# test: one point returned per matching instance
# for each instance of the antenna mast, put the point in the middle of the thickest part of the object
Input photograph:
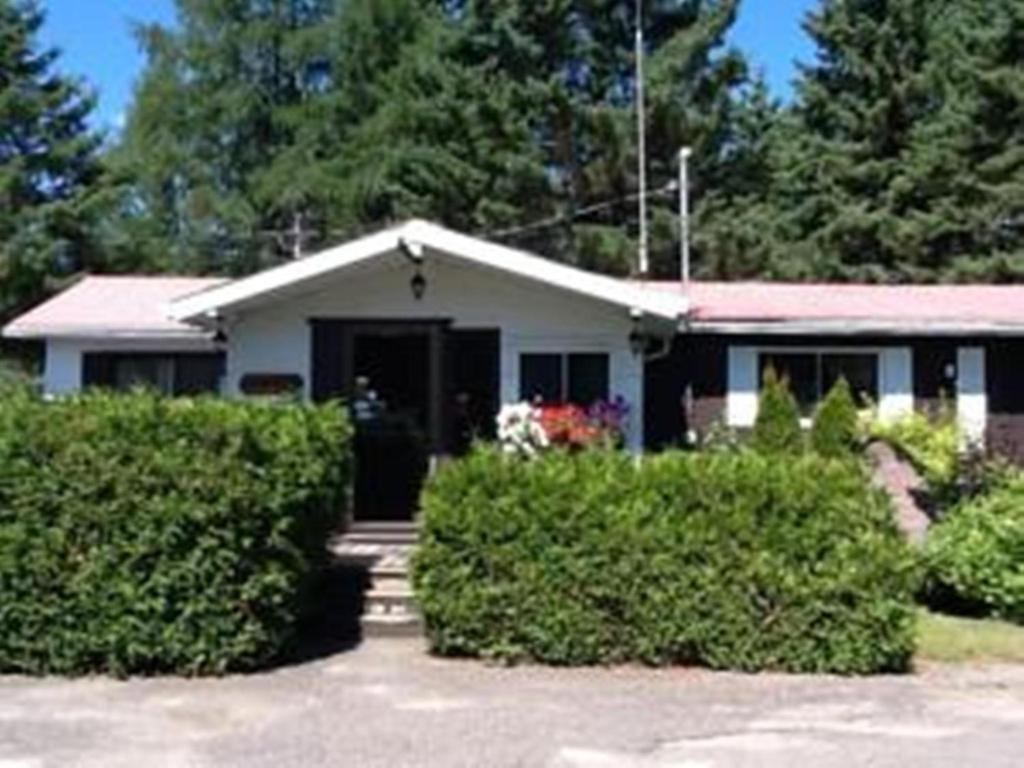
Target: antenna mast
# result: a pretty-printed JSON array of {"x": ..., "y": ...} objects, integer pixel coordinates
[
  {"x": 643, "y": 265},
  {"x": 684, "y": 215}
]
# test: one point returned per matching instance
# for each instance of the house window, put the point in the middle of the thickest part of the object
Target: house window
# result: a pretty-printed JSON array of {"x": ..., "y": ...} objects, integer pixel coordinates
[
  {"x": 812, "y": 374},
  {"x": 170, "y": 374},
  {"x": 579, "y": 378}
]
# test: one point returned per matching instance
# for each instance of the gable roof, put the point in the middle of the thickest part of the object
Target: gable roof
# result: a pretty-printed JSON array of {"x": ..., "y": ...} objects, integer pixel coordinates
[
  {"x": 416, "y": 233},
  {"x": 111, "y": 307},
  {"x": 854, "y": 308}
]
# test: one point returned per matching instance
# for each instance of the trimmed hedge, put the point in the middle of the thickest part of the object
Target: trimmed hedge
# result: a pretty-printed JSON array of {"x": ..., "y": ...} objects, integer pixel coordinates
[
  {"x": 734, "y": 561},
  {"x": 975, "y": 555},
  {"x": 142, "y": 535}
]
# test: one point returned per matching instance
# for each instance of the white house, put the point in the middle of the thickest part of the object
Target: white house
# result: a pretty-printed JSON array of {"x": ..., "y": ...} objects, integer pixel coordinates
[{"x": 446, "y": 327}]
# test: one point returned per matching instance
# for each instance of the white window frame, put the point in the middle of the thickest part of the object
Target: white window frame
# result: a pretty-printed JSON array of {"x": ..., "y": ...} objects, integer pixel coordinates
[{"x": 894, "y": 372}]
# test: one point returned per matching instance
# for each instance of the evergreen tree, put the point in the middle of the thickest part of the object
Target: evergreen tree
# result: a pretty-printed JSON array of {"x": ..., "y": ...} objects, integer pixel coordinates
[
  {"x": 227, "y": 92},
  {"x": 901, "y": 159},
  {"x": 777, "y": 426},
  {"x": 256, "y": 115},
  {"x": 834, "y": 432},
  {"x": 48, "y": 164}
]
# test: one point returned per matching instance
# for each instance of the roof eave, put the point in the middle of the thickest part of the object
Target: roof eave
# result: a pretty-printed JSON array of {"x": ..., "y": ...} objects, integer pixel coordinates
[
  {"x": 851, "y": 328},
  {"x": 87, "y": 332}
]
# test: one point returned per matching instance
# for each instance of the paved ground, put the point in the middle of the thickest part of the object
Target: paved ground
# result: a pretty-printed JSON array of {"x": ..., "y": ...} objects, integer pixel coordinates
[{"x": 387, "y": 704}]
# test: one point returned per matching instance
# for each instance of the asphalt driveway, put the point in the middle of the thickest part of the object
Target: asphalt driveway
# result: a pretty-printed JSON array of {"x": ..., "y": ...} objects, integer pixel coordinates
[{"x": 388, "y": 704}]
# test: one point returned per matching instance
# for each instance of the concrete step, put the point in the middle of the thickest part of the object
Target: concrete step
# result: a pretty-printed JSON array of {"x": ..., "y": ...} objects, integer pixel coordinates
[
  {"x": 392, "y": 583},
  {"x": 383, "y": 601},
  {"x": 392, "y": 625},
  {"x": 381, "y": 539}
]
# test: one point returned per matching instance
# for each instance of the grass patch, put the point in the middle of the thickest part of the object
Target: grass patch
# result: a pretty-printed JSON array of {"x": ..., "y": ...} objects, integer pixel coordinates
[{"x": 958, "y": 640}]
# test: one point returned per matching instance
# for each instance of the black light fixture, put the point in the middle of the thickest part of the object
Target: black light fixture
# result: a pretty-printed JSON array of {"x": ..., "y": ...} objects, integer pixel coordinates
[
  {"x": 414, "y": 253},
  {"x": 418, "y": 284},
  {"x": 637, "y": 338}
]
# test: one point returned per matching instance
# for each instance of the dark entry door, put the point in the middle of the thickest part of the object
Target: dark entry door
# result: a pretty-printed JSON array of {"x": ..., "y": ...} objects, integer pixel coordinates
[
  {"x": 392, "y": 404},
  {"x": 416, "y": 389}
]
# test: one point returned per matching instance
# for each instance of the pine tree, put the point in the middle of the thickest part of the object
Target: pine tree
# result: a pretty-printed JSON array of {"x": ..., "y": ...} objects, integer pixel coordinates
[
  {"x": 256, "y": 115},
  {"x": 48, "y": 164},
  {"x": 901, "y": 159},
  {"x": 777, "y": 427},
  {"x": 223, "y": 98},
  {"x": 834, "y": 432}
]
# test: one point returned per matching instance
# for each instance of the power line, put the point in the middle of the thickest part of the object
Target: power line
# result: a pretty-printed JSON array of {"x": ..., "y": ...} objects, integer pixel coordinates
[{"x": 565, "y": 218}]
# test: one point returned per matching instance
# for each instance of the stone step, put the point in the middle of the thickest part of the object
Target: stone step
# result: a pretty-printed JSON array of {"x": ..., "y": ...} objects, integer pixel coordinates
[
  {"x": 391, "y": 583},
  {"x": 392, "y": 625},
  {"x": 390, "y": 601},
  {"x": 379, "y": 538}
]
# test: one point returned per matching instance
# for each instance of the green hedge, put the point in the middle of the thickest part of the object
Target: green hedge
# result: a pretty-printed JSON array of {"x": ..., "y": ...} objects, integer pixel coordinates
[
  {"x": 734, "y": 561},
  {"x": 140, "y": 534},
  {"x": 975, "y": 555}
]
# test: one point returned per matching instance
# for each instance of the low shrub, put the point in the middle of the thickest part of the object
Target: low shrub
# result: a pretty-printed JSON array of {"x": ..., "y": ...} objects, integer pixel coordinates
[
  {"x": 734, "y": 561},
  {"x": 777, "y": 426},
  {"x": 975, "y": 556},
  {"x": 931, "y": 444},
  {"x": 835, "y": 430},
  {"x": 141, "y": 535}
]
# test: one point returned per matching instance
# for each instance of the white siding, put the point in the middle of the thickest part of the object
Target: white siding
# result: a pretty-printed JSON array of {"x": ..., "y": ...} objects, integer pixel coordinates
[
  {"x": 741, "y": 402},
  {"x": 62, "y": 368},
  {"x": 531, "y": 318},
  {"x": 896, "y": 383},
  {"x": 62, "y": 364},
  {"x": 971, "y": 400}
]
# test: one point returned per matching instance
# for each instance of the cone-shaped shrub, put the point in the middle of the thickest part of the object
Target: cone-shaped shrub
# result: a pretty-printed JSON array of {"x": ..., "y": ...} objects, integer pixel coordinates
[
  {"x": 834, "y": 433},
  {"x": 777, "y": 428}
]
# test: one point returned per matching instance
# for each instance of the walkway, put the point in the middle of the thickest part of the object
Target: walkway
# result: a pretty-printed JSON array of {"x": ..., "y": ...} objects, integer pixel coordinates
[{"x": 388, "y": 704}]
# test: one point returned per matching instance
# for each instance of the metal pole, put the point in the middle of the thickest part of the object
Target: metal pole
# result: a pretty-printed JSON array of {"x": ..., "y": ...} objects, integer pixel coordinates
[
  {"x": 643, "y": 266},
  {"x": 684, "y": 215}
]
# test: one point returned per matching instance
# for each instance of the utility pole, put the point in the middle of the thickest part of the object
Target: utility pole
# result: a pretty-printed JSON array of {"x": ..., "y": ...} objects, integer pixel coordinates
[
  {"x": 643, "y": 265},
  {"x": 684, "y": 216}
]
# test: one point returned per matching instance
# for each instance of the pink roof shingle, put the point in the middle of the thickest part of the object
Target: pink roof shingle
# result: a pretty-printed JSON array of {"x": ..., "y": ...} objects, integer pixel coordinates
[
  {"x": 133, "y": 306},
  {"x": 111, "y": 306},
  {"x": 885, "y": 304}
]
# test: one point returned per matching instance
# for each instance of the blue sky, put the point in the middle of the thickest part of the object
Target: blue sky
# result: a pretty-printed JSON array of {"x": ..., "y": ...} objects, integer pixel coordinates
[{"x": 97, "y": 41}]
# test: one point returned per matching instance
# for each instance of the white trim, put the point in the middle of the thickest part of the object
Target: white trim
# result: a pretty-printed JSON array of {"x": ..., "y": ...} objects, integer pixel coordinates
[
  {"x": 895, "y": 383},
  {"x": 208, "y": 304},
  {"x": 971, "y": 395},
  {"x": 85, "y": 333},
  {"x": 742, "y": 386},
  {"x": 851, "y": 328},
  {"x": 894, "y": 371}
]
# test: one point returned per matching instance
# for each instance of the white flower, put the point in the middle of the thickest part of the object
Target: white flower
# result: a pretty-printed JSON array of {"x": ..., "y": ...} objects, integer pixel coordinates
[{"x": 520, "y": 431}]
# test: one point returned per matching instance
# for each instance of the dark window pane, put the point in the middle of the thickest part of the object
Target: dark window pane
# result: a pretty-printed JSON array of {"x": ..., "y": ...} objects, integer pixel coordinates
[
  {"x": 198, "y": 374},
  {"x": 540, "y": 378},
  {"x": 801, "y": 371},
  {"x": 860, "y": 372},
  {"x": 150, "y": 371},
  {"x": 588, "y": 379}
]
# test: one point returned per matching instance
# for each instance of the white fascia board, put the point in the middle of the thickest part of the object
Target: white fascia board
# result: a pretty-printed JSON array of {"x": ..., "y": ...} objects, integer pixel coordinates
[
  {"x": 632, "y": 296},
  {"x": 86, "y": 333},
  {"x": 852, "y": 328},
  {"x": 210, "y": 303},
  {"x": 421, "y": 233}
]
